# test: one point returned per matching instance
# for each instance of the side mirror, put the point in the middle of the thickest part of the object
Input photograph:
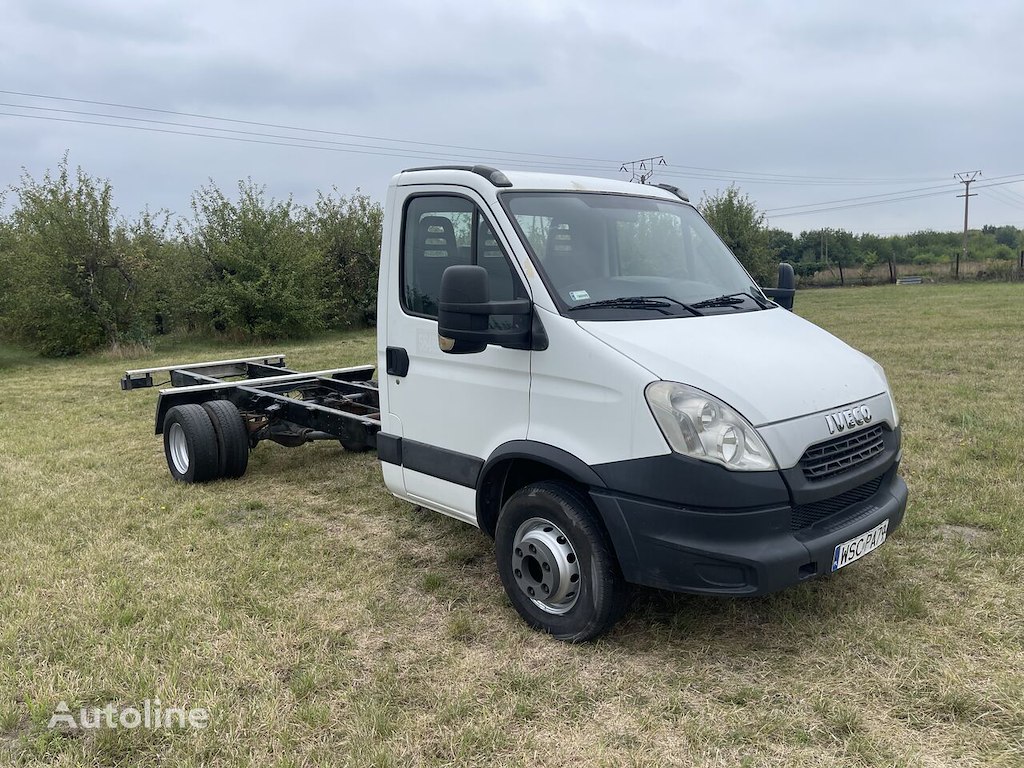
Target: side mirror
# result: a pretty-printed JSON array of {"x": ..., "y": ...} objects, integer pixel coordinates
[
  {"x": 465, "y": 310},
  {"x": 783, "y": 295}
]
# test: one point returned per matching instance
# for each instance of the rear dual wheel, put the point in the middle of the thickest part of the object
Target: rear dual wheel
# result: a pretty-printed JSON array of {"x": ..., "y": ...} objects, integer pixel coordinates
[
  {"x": 232, "y": 437},
  {"x": 205, "y": 442}
]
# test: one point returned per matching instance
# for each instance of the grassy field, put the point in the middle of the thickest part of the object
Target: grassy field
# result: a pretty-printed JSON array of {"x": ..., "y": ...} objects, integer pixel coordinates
[{"x": 321, "y": 622}]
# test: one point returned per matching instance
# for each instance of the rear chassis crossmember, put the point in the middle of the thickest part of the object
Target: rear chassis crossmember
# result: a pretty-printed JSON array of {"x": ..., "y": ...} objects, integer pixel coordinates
[{"x": 277, "y": 403}]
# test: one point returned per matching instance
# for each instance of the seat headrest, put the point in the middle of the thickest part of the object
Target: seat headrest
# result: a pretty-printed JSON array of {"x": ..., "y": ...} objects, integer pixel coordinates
[{"x": 436, "y": 233}]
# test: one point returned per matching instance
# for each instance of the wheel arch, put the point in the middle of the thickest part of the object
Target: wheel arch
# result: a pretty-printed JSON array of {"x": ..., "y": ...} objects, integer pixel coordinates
[{"x": 518, "y": 463}]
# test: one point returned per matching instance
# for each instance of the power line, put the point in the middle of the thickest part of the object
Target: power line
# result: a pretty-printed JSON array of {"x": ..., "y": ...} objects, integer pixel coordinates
[
  {"x": 854, "y": 199},
  {"x": 699, "y": 172},
  {"x": 860, "y": 205},
  {"x": 1000, "y": 196},
  {"x": 285, "y": 140},
  {"x": 421, "y": 150},
  {"x": 398, "y": 152},
  {"x": 752, "y": 180},
  {"x": 1011, "y": 193},
  {"x": 1013, "y": 178},
  {"x": 298, "y": 128},
  {"x": 1003, "y": 183},
  {"x": 329, "y": 142},
  {"x": 262, "y": 134},
  {"x": 787, "y": 177}
]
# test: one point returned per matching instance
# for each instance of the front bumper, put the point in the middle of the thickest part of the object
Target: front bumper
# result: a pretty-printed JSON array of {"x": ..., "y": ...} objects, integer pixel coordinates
[{"x": 741, "y": 551}]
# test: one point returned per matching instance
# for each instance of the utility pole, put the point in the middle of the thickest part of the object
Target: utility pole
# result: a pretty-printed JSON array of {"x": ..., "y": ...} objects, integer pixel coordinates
[
  {"x": 642, "y": 170},
  {"x": 965, "y": 178}
]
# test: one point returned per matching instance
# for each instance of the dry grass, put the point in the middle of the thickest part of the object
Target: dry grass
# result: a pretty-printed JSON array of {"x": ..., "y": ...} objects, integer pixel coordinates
[{"x": 323, "y": 623}]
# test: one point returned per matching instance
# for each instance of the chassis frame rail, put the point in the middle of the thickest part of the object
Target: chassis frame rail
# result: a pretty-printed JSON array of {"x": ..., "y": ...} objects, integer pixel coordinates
[{"x": 277, "y": 403}]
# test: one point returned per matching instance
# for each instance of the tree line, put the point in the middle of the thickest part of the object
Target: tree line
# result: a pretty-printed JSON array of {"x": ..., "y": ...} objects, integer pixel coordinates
[
  {"x": 744, "y": 228},
  {"x": 75, "y": 276}
]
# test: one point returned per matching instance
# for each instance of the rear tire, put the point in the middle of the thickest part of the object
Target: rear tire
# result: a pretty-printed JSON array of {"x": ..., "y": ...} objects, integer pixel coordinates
[
  {"x": 190, "y": 444},
  {"x": 232, "y": 437},
  {"x": 556, "y": 563}
]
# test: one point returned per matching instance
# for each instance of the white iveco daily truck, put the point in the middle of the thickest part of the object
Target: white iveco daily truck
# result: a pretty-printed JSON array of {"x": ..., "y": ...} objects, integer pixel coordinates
[{"x": 583, "y": 370}]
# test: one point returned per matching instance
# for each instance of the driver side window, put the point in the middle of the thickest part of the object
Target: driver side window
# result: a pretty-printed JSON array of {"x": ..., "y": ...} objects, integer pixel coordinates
[{"x": 444, "y": 230}]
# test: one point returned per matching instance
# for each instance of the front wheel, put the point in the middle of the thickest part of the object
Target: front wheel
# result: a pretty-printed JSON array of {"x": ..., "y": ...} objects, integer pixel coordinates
[{"x": 556, "y": 563}]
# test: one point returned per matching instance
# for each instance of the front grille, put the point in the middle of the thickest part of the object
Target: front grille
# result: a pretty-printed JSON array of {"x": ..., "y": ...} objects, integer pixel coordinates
[
  {"x": 807, "y": 515},
  {"x": 842, "y": 454}
]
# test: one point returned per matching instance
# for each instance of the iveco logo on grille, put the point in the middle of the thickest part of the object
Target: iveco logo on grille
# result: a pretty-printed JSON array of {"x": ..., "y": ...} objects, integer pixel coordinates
[{"x": 847, "y": 419}]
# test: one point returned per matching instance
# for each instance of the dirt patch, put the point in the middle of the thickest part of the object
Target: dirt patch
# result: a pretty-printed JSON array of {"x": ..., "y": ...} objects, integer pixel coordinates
[{"x": 966, "y": 533}]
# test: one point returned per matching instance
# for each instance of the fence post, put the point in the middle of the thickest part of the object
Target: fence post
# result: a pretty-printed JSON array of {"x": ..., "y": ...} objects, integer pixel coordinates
[{"x": 842, "y": 280}]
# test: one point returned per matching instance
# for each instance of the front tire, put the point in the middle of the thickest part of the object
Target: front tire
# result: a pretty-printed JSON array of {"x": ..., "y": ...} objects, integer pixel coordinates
[
  {"x": 190, "y": 444},
  {"x": 556, "y": 563}
]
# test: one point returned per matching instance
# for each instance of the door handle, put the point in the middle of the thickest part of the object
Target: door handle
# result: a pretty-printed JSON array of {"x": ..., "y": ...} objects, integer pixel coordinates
[{"x": 397, "y": 361}]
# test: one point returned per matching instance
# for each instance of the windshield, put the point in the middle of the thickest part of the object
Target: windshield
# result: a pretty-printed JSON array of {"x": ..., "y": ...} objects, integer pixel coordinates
[{"x": 619, "y": 257}]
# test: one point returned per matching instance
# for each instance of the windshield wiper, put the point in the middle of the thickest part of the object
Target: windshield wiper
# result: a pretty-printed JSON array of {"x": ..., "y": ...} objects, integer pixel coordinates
[
  {"x": 657, "y": 303},
  {"x": 731, "y": 300},
  {"x": 761, "y": 302}
]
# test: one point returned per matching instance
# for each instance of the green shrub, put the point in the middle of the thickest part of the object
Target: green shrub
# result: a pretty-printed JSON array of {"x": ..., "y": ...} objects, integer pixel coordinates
[
  {"x": 345, "y": 232},
  {"x": 258, "y": 274},
  {"x": 77, "y": 273},
  {"x": 737, "y": 220}
]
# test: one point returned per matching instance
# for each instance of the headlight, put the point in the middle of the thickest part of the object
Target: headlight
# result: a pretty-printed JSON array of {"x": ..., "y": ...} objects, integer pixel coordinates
[
  {"x": 895, "y": 413},
  {"x": 696, "y": 424},
  {"x": 888, "y": 392}
]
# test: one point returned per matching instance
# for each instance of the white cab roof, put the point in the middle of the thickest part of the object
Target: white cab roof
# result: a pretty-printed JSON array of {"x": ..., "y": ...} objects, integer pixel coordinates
[{"x": 527, "y": 180}]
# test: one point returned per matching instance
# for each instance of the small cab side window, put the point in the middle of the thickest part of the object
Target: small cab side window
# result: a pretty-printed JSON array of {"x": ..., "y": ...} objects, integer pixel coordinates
[{"x": 441, "y": 231}]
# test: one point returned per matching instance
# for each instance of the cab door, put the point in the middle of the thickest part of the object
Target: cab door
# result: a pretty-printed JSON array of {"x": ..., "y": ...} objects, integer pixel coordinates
[{"x": 453, "y": 410}]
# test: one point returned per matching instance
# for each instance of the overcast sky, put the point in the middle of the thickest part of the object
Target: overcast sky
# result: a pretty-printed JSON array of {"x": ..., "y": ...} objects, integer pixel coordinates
[{"x": 799, "y": 103}]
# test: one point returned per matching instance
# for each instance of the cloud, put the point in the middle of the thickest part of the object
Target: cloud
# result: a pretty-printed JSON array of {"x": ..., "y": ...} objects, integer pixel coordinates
[{"x": 876, "y": 90}]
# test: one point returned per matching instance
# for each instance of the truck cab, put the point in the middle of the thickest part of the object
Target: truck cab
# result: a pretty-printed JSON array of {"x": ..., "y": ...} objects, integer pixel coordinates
[{"x": 581, "y": 368}]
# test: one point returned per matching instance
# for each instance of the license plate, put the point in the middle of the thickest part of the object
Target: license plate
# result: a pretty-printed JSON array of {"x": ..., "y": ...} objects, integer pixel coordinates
[{"x": 857, "y": 547}]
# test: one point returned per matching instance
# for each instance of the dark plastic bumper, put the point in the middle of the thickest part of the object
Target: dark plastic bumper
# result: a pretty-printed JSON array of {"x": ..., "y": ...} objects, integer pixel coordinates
[{"x": 751, "y": 552}]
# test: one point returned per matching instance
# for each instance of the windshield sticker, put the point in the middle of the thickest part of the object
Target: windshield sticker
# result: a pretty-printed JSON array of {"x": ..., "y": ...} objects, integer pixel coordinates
[{"x": 579, "y": 295}]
